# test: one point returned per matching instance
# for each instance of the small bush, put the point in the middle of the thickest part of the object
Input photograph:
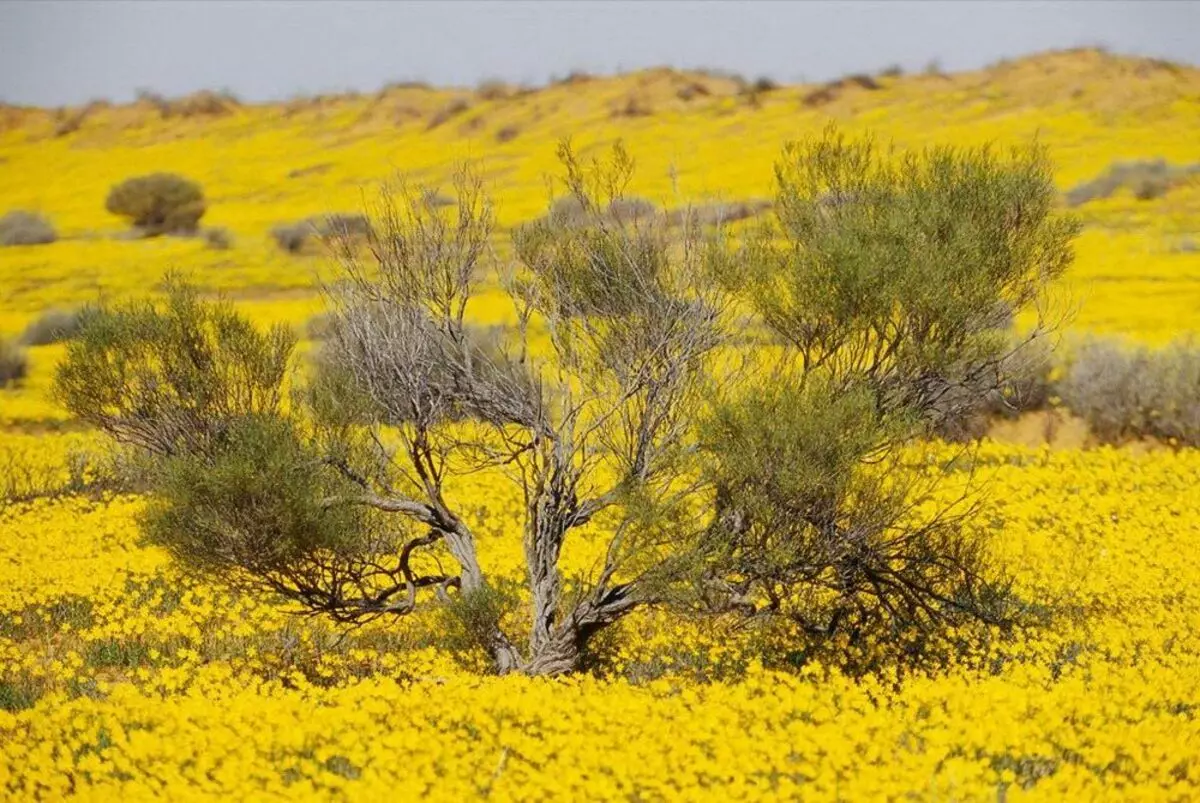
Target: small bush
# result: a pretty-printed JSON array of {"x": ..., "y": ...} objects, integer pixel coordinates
[
  {"x": 493, "y": 89},
  {"x": 159, "y": 203},
  {"x": 25, "y": 228},
  {"x": 833, "y": 90},
  {"x": 634, "y": 106},
  {"x": 218, "y": 239},
  {"x": 764, "y": 84},
  {"x": 447, "y": 112},
  {"x": 692, "y": 90},
  {"x": 507, "y": 134},
  {"x": 53, "y": 327},
  {"x": 1125, "y": 393},
  {"x": 14, "y": 365},
  {"x": 1146, "y": 179},
  {"x": 293, "y": 237}
]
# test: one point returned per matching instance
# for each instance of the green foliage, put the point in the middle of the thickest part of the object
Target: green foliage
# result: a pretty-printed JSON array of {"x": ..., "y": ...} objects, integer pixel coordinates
[
  {"x": 168, "y": 379},
  {"x": 14, "y": 364},
  {"x": 25, "y": 228},
  {"x": 158, "y": 203},
  {"x": 253, "y": 500},
  {"x": 597, "y": 252},
  {"x": 888, "y": 281}
]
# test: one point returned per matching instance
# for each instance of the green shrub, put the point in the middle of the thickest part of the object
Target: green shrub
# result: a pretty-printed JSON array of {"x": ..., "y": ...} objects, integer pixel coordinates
[
  {"x": 1126, "y": 392},
  {"x": 53, "y": 326},
  {"x": 25, "y": 228},
  {"x": 14, "y": 365},
  {"x": 159, "y": 203}
]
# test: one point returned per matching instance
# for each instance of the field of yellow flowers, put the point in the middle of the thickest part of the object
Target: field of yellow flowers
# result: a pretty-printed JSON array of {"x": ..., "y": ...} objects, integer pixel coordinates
[{"x": 121, "y": 678}]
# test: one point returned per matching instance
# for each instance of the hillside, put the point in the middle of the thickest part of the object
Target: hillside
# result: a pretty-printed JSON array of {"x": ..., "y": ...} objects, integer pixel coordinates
[{"x": 697, "y": 137}]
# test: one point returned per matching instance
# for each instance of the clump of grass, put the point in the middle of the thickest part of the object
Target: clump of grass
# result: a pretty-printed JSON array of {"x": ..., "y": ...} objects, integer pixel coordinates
[
  {"x": 26, "y": 228},
  {"x": 1146, "y": 179},
  {"x": 54, "y": 326}
]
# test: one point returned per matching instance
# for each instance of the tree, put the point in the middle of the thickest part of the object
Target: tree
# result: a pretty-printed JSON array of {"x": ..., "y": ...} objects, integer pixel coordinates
[{"x": 610, "y": 401}]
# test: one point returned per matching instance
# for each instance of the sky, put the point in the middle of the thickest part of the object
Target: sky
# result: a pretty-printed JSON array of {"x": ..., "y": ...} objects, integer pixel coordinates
[{"x": 55, "y": 52}]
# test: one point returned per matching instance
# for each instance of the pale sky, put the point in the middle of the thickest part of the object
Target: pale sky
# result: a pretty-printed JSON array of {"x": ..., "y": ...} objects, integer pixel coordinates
[{"x": 58, "y": 52}]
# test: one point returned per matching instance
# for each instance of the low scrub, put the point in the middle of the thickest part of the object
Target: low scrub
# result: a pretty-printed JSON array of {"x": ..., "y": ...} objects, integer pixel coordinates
[
  {"x": 218, "y": 239},
  {"x": 14, "y": 365},
  {"x": 158, "y": 203},
  {"x": 1126, "y": 392},
  {"x": 53, "y": 326},
  {"x": 1145, "y": 179},
  {"x": 25, "y": 228},
  {"x": 294, "y": 237}
]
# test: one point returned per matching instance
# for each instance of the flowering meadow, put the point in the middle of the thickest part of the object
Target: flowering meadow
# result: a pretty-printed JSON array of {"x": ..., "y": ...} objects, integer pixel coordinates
[{"x": 122, "y": 677}]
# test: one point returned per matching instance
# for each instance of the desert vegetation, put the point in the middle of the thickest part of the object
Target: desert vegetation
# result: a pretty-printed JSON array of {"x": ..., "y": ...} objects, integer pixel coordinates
[
  {"x": 786, "y": 462},
  {"x": 159, "y": 203}
]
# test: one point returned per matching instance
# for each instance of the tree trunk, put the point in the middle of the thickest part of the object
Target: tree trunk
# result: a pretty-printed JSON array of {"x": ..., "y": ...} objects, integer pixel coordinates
[{"x": 558, "y": 655}]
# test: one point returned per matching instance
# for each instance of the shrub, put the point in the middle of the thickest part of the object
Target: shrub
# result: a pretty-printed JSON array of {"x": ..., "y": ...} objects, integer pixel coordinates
[
  {"x": 14, "y": 364},
  {"x": 158, "y": 203},
  {"x": 25, "y": 228},
  {"x": 451, "y": 110},
  {"x": 493, "y": 89},
  {"x": 293, "y": 237},
  {"x": 52, "y": 327},
  {"x": 218, "y": 239},
  {"x": 508, "y": 133},
  {"x": 1145, "y": 179},
  {"x": 1124, "y": 392}
]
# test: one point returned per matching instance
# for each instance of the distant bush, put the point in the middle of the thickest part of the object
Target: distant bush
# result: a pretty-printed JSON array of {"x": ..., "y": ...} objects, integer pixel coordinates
[
  {"x": 218, "y": 239},
  {"x": 14, "y": 365},
  {"x": 493, "y": 89},
  {"x": 829, "y": 92},
  {"x": 292, "y": 237},
  {"x": 1145, "y": 179},
  {"x": 25, "y": 228},
  {"x": 53, "y": 326},
  {"x": 205, "y": 103},
  {"x": 633, "y": 106},
  {"x": 447, "y": 112},
  {"x": 1125, "y": 392},
  {"x": 507, "y": 134},
  {"x": 158, "y": 203}
]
